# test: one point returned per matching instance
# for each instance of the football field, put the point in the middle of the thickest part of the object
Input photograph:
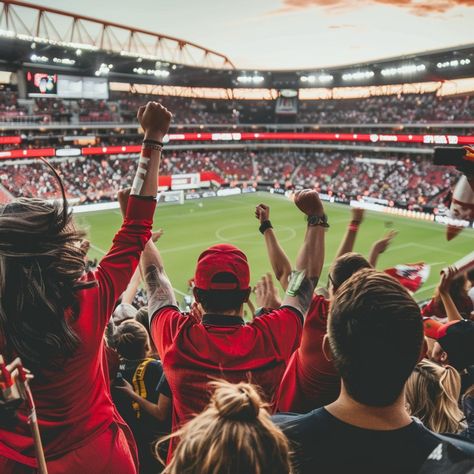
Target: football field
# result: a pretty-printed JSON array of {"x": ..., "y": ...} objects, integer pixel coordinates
[{"x": 192, "y": 227}]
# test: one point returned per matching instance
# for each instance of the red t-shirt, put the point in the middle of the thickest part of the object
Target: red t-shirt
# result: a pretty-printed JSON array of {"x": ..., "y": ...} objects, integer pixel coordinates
[
  {"x": 434, "y": 308},
  {"x": 310, "y": 380},
  {"x": 74, "y": 404},
  {"x": 195, "y": 352}
]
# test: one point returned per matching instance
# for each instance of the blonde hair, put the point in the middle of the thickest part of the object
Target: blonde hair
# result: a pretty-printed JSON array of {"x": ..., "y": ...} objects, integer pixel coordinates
[
  {"x": 432, "y": 393},
  {"x": 233, "y": 435}
]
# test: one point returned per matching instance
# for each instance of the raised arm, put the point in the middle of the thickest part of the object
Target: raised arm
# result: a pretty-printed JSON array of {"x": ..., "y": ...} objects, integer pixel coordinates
[
  {"x": 443, "y": 288},
  {"x": 310, "y": 259},
  {"x": 348, "y": 241},
  {"x": 116, "y": 268},
  {"x": 380, "y": 246},
  {"x": 280, "y": 263}
]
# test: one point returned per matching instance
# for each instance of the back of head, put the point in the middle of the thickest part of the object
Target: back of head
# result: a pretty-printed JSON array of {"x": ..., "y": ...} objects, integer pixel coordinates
[
  {"x": 41, "y": 261},
  {"x": 222, "y": 279},
  {"x": 432, "y": 393},
  {"x": 376, "y": 334},
  {"x": 233, "y": 435},
  {"x": 345, "y": 266},
  {"x": 131, "y": 340},
  {"x": 470, "y": 276}
]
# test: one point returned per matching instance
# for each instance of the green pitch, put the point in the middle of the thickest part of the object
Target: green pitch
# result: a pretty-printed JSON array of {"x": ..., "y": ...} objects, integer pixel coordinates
[{"x": 194, "y": 226}]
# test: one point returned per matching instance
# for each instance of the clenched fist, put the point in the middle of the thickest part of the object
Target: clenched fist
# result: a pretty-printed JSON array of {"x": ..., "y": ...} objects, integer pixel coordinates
[
  {"x": 262, "y": 213},
  {"x": 308, "y": 201},
  {"x": 155, "y": 120}
]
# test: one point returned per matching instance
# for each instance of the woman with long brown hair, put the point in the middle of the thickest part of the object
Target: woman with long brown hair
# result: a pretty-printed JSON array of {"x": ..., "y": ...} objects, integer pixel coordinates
[
  {"x": 53, "y": 315},
  {"x": 432, "y": 393},
  {"x": 234, "y": 435}
]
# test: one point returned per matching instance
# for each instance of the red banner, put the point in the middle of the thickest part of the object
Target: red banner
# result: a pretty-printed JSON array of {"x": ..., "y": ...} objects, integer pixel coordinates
[
  {"x": 10, "y": 140},
  {"x": 256, "y": 136}
]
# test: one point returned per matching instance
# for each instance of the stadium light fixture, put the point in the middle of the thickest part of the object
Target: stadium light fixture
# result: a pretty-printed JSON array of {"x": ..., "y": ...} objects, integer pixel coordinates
[
  {"x": 402, "y": 70},
  {"x": 357, "y": 75},
  {"x": 151, "y": 72},
  {"x": 454, "y": 63},
  {"x": 39, "y": 59},
  {"x": 104, "y": 69},
  {"x": 65, "y": 61},
  {"x": 322, "y": 78},
  {"x": 256, "y": 79}
]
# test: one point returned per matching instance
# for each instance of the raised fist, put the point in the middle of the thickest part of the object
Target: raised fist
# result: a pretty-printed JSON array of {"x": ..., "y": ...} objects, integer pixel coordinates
[
  {"x": 155, "y": 120},
  {"x": 308, "y": 202},
  {"x": 357, "y": 214},
  {"x": 262, "y": 213}
]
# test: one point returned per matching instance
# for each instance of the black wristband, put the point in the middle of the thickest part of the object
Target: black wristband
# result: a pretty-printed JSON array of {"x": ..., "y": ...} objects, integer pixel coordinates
[
  {"x": 264, "y": 226},
  {"x": 149, "y": 141}
]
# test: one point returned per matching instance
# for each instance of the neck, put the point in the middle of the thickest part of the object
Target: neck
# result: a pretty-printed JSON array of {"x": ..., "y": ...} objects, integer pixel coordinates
[
  {"x": 238, "y": 313},
  {"x": 348, "y": 410}
]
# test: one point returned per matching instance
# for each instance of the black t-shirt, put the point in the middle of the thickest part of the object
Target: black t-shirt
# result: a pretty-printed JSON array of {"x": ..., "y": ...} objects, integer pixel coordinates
[
  {"x": 322, "y": 444},
  {"x": 145, "y": 428}
]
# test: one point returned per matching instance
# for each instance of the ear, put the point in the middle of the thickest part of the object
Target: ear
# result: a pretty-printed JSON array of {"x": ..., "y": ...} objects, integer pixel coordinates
[
  {"x": 424, "y": 350},
  {"x": 247, "y": 295},
  {"x": 327, "y": 349}
]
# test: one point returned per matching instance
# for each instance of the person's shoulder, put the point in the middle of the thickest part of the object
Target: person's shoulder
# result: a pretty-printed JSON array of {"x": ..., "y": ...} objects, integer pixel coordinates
[{"x": 293, "y": 422}]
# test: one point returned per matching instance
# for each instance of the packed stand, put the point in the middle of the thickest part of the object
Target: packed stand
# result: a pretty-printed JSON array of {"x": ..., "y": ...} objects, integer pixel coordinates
[
  {"x": 404, "y": 181},
  {"x": 348, "y": 377}
]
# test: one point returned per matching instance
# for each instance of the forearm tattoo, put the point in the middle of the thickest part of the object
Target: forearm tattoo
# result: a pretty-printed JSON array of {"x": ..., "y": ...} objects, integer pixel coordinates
[
  {"x": 160, "y": 291},
  {"x": 300, "y": 291}
]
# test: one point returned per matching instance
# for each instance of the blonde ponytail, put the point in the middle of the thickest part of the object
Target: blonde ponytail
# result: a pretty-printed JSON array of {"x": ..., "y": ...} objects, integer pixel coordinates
[
  {"x": 432, "y": 393},
  {"x": 233, "y": 435}
]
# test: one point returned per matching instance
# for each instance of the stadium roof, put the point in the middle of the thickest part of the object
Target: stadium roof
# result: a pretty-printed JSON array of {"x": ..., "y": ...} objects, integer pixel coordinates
[{"x": 33, "y": 37}]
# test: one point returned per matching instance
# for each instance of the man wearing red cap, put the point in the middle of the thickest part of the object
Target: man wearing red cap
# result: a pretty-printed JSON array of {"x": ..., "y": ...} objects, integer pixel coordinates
[{"x": 221, "y": 345}]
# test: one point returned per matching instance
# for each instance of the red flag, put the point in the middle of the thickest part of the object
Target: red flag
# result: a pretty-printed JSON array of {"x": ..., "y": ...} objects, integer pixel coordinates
[{"x": 411, "y": 275}]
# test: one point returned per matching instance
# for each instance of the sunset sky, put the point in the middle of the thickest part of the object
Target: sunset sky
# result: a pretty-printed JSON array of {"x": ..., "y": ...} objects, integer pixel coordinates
[{"x": 284, "y": 34}]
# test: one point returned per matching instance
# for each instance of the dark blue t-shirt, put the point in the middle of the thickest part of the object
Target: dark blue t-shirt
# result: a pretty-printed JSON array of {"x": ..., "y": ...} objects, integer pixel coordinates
[{"x": 324, "y": 444}]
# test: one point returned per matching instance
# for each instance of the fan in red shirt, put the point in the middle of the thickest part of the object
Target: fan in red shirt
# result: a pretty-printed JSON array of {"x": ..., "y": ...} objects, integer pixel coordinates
[
  {"x": 310, "y": 380},
  {"x": 53, "y": 316},
  {"x": 222, "y": 345}
]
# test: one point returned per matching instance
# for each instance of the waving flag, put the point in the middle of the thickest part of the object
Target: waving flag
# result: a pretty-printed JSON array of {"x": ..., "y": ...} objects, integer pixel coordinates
[{"x": 411, "y": 275}]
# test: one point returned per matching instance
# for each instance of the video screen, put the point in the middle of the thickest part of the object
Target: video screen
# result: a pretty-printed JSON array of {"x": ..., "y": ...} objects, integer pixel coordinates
[{"x": 41, "y": 84}]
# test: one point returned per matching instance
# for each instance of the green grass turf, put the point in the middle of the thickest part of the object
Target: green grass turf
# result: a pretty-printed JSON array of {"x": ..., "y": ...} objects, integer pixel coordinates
[{"x": 194, "y": 226}]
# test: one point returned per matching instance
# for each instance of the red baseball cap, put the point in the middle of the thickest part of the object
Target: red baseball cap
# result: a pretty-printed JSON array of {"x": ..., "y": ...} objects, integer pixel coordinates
[{"x": 222, "y": 258}]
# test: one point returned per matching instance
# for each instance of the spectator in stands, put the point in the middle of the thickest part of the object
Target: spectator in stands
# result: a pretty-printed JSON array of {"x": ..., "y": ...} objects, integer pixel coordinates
[
  {"x": 375, "y": 339},
  {"x": 234, "y": 435},
  {"x": 470, "y": 277},
  {"x": 61, "y": 341},
  {"x": 433, "y": 393},
  {"x": 221, "y": 345},
  {"x": 458, "y": 290},
  {"x": 310, "y": 380},
  {"x": 141, "y": 393}
]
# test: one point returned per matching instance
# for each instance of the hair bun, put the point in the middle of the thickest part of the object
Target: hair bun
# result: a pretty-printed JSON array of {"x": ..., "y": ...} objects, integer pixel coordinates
[{"x": 240, "y": 402}]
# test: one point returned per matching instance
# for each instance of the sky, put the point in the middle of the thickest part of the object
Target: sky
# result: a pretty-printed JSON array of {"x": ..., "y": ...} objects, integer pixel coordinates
[{"x": 295, "y": 34}]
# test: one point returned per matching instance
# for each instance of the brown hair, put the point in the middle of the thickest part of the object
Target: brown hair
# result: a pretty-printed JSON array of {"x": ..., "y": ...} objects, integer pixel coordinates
[
  {"x": 432, "y": 393},
  {"x": 41, "y": 262},
  {"x": 376, "y": 334},
  {"x": 233, "y": 435},
  {"x": 345, "y": 266},
  {"x": 131, "y": 340}
]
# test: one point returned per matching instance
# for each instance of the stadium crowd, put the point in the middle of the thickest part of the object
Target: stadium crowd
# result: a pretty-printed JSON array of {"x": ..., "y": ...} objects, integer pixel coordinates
[
  {"x": 121, "y": 106},
  {"x": 406, "y": 181},
  {"x": 351, "y": 377}
]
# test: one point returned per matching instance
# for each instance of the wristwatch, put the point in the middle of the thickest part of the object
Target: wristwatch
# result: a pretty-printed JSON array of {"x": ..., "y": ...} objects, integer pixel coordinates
[{"x": 318, "y": 220}]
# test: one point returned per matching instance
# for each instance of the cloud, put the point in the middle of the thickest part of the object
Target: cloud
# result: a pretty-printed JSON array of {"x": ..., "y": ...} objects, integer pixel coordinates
[
  {"x": 417, "y": 7},
  {"x": 340, "y": 27}
]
